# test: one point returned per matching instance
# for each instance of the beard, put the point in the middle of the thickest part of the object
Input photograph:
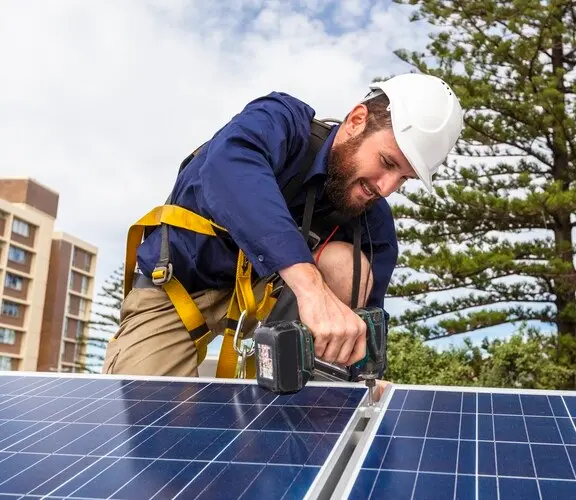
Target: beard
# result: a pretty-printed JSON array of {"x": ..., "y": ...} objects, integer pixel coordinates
[{"x": 342, "y": 169}]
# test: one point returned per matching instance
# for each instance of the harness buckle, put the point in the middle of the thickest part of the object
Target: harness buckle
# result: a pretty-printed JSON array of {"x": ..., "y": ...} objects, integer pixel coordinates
[
  {"x": 162, "y": 274},
  {"x": 313, "y": 240}
]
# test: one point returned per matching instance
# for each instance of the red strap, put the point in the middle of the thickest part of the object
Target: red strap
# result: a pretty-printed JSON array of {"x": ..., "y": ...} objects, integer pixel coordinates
[{"x": 325, "y": 243}]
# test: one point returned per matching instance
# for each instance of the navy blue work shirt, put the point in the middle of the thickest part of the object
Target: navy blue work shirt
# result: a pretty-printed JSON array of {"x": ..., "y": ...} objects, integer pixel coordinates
[{"x": 236, "y": 181}]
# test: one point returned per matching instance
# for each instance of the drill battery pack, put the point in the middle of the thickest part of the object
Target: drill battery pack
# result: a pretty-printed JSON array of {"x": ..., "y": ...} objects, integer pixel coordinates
[{"x": 284, "y": 356}]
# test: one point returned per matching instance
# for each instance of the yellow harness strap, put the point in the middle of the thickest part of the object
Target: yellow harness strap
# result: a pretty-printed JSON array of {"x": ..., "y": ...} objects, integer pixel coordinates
[
  {"x": 172, "y": 215},
  {"x": 185, "y": 306},
  {"x": 242, "y": 298}
]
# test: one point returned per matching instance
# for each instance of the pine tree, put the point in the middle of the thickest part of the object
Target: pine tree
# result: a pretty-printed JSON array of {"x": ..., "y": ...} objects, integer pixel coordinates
[
  {"x": 498, "y": 239},
  {"x": 105, "y": 323}
]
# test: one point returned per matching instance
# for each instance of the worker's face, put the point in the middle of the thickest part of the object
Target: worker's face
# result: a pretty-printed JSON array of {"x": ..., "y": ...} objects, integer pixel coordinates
[{"x": 362, "y": 169}]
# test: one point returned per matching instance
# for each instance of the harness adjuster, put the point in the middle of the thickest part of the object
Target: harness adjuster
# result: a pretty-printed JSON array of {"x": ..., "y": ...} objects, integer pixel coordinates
[
  {"x": 313, "y": 239},
  {"x": 162, "y": 274}
]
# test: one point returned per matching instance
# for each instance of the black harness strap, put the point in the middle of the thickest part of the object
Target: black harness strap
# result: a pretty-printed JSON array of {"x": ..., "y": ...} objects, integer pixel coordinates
[
  {"x": 286, "y": 307},
  {"x": 164, "y": 260},
  {"x": 319, "y": 132},
  {"x": 356, "y": 263},
  {"x": 308, "y": 211}
]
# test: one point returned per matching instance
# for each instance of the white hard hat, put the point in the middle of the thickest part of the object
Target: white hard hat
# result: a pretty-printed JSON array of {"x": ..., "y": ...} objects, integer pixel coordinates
[{"x": 427, "y": 120}]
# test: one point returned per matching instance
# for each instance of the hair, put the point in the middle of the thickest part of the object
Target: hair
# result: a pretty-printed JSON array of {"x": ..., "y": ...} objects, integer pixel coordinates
[{"x": 378, "y": 115}]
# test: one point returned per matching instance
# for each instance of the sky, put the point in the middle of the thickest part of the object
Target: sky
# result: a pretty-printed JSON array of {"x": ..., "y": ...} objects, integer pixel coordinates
[{"x": 101, "y": 100}]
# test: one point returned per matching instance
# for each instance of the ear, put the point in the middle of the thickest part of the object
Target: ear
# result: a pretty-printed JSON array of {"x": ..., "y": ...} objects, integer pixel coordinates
[{"x": 356, "y": 120}]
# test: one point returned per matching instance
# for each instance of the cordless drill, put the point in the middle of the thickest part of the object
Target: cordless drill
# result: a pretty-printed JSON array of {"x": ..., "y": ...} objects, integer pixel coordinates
[{"x": 285, "y": 359}]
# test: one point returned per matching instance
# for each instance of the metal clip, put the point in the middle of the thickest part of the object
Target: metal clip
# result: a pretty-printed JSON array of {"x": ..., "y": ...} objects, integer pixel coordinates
[
  {"x": 241, "y": 364},
  {"x": 244, "y": 351}
]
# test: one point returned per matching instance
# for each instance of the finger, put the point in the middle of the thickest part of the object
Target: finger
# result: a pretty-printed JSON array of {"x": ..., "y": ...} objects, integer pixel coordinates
[
  {"x": 320, "y": 344},
  {"x": 358, "y": 352},
  {"x": 333, "y": 349},
  {"x": 346, "y": 350},
  {"x": 362, "y": 327}
]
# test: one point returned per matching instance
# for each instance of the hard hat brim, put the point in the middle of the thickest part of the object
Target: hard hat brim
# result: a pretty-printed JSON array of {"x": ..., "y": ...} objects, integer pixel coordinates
[{"x": 416, "y": 162}]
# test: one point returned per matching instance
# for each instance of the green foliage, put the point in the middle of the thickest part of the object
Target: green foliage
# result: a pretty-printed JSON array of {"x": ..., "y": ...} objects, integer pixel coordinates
[
  {"x": 104, "y": 324},
  {"x": 496, "y": 244},
  {"x": 530, "y": 361},
  {"x": 411, "y": 361},
  {"x": 527, "y": 360}
]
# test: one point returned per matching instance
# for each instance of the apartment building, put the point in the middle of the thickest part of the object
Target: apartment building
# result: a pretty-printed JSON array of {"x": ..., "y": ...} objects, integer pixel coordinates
[
  {"x": 68, "y": 303},
  {"x": 47, "y": 277}
]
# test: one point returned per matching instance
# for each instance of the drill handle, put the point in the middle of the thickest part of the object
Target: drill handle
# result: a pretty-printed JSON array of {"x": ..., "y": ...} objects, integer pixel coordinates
[
  {"x": 376, "y": 319},
  {"x": 376, "y": 343}
]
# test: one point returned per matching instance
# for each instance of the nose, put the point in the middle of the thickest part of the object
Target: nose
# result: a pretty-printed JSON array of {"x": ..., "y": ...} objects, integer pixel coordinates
[{"x": 387, "y": 184}]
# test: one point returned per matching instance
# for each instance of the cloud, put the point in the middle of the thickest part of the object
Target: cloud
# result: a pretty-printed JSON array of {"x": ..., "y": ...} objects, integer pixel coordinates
[{"x": 102, "y": 100}]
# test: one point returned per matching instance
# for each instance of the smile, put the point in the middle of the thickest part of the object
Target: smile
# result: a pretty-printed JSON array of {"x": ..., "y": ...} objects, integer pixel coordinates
[{"x": 367, "y": 191}]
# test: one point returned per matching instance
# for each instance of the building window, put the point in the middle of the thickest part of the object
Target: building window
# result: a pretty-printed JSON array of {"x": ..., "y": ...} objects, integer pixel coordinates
[
  {"x": 80, "y": 329},
  {"x": 82, "y": 307},
  {"x": 7, "y": 336},
  {"x": 5, "y": 363},
  {"x": 84, "y": 285},
  {"x": 10, "y": 309},
  {"x": 21, "y": 228},
  {"x": 82, "y": 259},
  {"x": 16, "y": 255},
  {"x": 79, "y": 282},
  {"x": 14, "y": 282}
]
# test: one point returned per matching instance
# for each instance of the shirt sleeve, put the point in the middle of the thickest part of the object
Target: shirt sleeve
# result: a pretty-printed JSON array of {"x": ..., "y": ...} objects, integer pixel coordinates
[
  {"x": 382, "y": 234},
  {"x": 239, "y": 183}
]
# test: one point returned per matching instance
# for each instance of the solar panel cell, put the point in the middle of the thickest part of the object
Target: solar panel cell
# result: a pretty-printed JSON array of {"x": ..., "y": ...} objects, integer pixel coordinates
[
  {"x": 131, "y": 438},
  {"x": 446, "y": 443}
]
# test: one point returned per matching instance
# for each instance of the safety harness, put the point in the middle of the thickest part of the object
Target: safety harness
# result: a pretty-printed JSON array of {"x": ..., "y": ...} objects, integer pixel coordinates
[{"x": 242, "y": 303}]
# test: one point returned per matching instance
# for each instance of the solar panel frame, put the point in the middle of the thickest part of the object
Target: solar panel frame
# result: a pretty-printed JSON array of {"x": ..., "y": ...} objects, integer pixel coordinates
[
  {"x": 350, "y": 475},
  {"x": 325, "y": 476}
]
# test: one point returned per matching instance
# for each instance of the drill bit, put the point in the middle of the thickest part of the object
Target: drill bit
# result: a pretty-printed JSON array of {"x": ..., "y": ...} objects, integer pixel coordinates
[{"x": 370, "y": 383}]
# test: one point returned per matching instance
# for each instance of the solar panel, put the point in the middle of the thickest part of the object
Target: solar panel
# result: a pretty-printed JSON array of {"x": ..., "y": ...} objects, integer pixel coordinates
[
  {"x": 77, "y": 436},
  {"x": 461, "y": 443}
]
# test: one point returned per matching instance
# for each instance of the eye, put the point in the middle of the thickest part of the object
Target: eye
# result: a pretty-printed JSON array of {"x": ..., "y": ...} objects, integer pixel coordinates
[{"x": 387, "y": 163}]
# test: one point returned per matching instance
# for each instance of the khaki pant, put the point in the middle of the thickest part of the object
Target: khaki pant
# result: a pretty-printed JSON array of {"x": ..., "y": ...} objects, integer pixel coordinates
[{"x": 152, "y": 339}]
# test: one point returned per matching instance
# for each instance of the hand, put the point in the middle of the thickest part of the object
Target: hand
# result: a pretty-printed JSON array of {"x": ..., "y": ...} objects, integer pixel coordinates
[{"x": 339, "y": 333}]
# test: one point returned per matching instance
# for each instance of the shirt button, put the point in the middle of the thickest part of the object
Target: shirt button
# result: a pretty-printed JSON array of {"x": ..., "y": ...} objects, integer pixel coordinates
[{"x": 261, "y": 258}]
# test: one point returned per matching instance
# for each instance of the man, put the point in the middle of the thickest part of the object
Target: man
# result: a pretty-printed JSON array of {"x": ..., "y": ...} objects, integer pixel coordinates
[{"x": 403, "y": 129}]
